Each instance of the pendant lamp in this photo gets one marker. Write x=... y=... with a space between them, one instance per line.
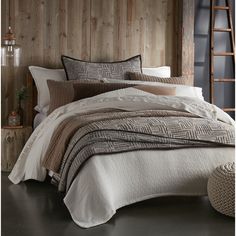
x=10 y=51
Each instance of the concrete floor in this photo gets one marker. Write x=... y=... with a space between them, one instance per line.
x=36 y=209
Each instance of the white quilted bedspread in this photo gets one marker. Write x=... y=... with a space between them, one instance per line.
x=109 y=182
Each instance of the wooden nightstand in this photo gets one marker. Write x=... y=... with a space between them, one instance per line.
x=12 y=143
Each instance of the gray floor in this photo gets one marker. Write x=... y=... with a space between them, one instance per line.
x=36 y=209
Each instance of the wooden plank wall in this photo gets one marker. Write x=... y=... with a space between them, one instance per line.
x=92 y=30
x=95 y=30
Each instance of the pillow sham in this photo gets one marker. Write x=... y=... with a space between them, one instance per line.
x=40 y=76
x=157 y=90
x=38 y=119
x=62 y=93
x=162 y=71
x=78 y=69
x=170 y=80
x=181 y=90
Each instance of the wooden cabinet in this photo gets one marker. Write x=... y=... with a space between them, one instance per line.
x=12 y=143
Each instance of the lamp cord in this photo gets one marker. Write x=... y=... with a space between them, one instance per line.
x=9 y=13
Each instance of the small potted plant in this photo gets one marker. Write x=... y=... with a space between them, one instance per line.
x=21 y=95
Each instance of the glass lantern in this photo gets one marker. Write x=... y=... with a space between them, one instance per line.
x=10 y=67
x=10 y=51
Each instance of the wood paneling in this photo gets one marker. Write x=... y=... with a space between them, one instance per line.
x=188 y=38
x=92 y=30
x=183 y=54
x=132 y=27
x=102 y=30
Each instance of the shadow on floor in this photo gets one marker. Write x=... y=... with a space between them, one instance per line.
x=37 y=209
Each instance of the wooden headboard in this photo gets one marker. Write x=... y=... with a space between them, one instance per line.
x=31 y=102
x=100 y=30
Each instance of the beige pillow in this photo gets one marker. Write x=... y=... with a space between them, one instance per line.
x=62 y=93
x=157 y=90
x=171 y=80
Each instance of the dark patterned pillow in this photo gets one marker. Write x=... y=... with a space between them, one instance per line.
x=77 y=69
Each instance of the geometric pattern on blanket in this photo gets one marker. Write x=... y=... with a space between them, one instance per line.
x=67 y=128
x=140 y=133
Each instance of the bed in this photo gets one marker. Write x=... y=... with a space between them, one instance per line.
x=124 y=145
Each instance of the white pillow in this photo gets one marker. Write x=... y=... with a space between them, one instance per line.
x=162 y=71
x=40 y=76
x=181 y=90
x=38 y=119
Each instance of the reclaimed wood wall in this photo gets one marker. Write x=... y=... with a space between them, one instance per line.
x=93 y=30
x=98 y=30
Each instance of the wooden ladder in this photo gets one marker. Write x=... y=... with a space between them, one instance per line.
x=213 y=53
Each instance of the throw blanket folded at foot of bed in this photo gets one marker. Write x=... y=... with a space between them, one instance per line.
x=109 y=132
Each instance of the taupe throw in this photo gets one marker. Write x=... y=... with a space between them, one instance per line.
x=113 y=131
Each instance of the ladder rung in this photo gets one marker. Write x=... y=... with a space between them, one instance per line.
x=223 y=54
x=228 y=109
x=222 y=30
x=224 y=80
x=221 y=8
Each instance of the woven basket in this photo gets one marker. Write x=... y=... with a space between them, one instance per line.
x=221 y=189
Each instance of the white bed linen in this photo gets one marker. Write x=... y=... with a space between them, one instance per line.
x=40 y=76
x=162 y=71
x=107 y=183
x=38 y=119
x=181 y=90
x=28 y=165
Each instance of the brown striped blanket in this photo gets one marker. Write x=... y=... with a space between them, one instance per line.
x=109 y=131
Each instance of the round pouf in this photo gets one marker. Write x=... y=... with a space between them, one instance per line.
x=221 y=189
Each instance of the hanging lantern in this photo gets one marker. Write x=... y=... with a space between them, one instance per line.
x=10 y=51
x=10 y=71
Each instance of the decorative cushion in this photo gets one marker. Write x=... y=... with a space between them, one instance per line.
x=78 y=69
x=62 y=93
x=40 y=76
x=221 y=189
x=181 y=90
x=170 y=80
x=157 y=90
